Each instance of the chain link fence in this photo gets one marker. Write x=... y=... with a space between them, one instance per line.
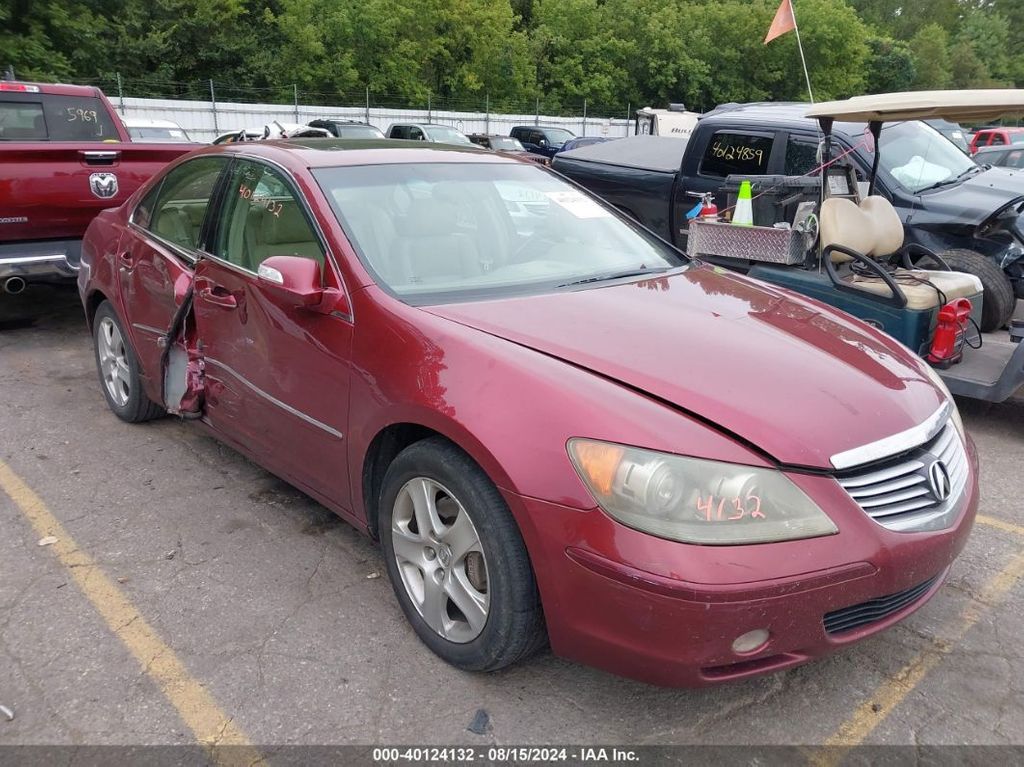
x=208 y=109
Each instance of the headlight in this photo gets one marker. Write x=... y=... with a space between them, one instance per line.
x=954 y=412
x=694 y=500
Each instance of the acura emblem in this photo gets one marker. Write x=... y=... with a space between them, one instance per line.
x=938 y=480
x=103 y=185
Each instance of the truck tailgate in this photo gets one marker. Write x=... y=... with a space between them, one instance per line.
x=52 y=190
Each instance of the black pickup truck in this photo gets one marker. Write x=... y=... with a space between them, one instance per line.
x=969 y=214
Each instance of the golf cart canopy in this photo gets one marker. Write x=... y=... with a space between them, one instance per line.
x=957 y=106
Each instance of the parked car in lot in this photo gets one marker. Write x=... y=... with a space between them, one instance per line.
x=507 y=146
x=582 y=141
x=953 y=132
x=440 y=134
x=157 y=131
x=64 y=157
x=340 y=128
x=1001 y=156
x=540 y=139
x=505 y=413
x=997 y=136
x=948 y=204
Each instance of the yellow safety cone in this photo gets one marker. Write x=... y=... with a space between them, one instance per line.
x=743 y=215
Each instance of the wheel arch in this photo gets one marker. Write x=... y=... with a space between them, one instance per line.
x=92 y=305
x=392 y=438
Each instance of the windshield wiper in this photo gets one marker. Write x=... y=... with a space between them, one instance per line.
x=613 y=276
x=948 y=181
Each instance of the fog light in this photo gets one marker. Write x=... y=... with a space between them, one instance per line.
x=752 y=640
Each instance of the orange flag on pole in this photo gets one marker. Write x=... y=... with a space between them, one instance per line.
x=783 y=22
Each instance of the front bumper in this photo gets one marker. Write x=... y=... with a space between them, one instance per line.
x=50 y=261
x=667 y=613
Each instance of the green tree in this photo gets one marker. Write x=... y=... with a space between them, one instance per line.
x=890 y=67
x=987 y=33
x=930 y=48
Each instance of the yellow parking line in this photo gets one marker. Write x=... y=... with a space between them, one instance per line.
x=887 y=696
x=212 y=727
x=1000 y=524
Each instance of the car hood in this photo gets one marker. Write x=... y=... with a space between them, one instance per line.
x=977 y=198
x=791 y=377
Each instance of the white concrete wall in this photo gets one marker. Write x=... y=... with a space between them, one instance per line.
x=198 y=118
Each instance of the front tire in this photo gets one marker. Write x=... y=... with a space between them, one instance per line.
x=456 y=559
x=118 y=368
x=998 y=302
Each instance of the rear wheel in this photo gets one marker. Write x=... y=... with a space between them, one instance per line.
x=998 y=301
x=119 y=369
x=456 y=559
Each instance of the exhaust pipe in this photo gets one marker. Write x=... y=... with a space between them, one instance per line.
x=14 y=285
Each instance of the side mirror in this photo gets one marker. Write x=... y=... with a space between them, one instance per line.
x=299 y=282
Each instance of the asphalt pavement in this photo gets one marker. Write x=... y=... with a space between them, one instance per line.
x=190 y=592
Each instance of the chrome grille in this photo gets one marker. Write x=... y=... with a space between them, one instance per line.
x=896 y=492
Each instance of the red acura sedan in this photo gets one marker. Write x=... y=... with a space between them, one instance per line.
x=560 y=430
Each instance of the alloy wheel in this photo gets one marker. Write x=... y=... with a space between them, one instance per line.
x=440 y=559
x=114 y=361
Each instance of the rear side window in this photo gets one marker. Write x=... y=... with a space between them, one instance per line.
x=1017 y=138
x=44 y=117
x=398 y=131
x=1015 y=159
x=801 y=157
x=180 y=208
x=996 y=139
x=736 y=153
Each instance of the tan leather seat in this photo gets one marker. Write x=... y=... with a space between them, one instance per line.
x=431 y=249
x=285 y=234
x=874 y=229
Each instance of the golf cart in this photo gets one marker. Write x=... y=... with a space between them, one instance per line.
x=829 y=236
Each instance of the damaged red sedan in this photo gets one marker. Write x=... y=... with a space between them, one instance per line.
x=560 y=430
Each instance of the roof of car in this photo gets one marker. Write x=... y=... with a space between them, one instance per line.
x=143 y=122
x=333 y=152
x=761 y=111
x=339 y=120
x=58 y=89
x=1007 y=128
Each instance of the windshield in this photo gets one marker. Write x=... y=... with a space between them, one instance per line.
x=439 y=233
x=506 y=143
x=157 y=134
x=446 y=135
x=917 y=156
x=357 y=131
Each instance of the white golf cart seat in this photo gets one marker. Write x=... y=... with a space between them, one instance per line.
x=874 y=229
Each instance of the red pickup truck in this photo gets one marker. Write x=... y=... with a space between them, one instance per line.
x=64 y=156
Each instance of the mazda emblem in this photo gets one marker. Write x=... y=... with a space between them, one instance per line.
x=938 y=480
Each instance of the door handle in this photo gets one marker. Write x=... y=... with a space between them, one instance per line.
x=125 y=259
x=100 y=158
x=218 y=296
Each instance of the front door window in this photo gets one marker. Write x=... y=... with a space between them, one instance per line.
x=262 y=217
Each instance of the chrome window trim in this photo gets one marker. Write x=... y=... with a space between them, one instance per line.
x=895 y=444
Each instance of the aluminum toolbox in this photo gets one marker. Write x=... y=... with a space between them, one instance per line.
x=749 y=243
